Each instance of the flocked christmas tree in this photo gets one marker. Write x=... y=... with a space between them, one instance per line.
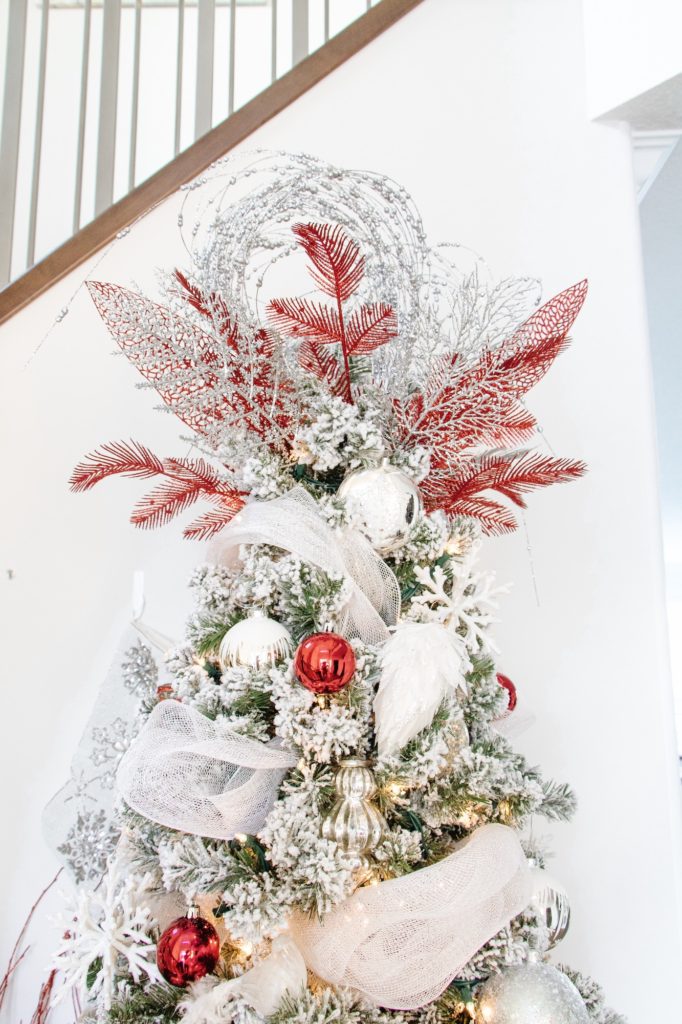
x=322 y=817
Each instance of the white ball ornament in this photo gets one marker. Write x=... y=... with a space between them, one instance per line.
x=255 y=642
x=383 y=503
x=533 y=993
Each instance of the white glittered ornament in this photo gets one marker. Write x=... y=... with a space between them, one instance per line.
x=383 y=503
x=255 y=642
x=533 y=993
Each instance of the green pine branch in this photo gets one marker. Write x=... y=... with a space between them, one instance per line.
x=155 y=1005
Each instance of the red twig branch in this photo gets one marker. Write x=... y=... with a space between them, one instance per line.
x=16 y=957
x=42 y=1010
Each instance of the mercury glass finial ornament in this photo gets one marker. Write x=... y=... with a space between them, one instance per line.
x=551 y=900
x=255 y=642
x=533 y=993
x=354 y=822
x=384 y=503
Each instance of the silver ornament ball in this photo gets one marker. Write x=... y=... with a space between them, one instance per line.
x=383 y=503
x=255 y=642
x=533 y=993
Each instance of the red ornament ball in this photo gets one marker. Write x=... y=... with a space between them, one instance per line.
x=188 y=949
x=324 y=662
x=507 y=684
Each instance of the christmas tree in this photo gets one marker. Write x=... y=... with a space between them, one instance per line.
x=322 y=816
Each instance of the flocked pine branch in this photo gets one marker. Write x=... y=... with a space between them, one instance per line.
x=157 y=1004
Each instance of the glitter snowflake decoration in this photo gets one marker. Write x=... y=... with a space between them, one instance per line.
x=109 y=744
x=139 y=670
x=89 y=843
x=108 y=934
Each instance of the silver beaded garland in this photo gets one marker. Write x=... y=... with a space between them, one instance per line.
x=533 y=993
x=383 y=503
x=255 y=642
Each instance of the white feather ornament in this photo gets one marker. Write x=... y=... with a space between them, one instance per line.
x=421 y=664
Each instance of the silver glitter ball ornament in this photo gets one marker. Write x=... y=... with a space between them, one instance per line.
x=354 y=822
x=533 y=993
x=255 y=642
x=383 y=503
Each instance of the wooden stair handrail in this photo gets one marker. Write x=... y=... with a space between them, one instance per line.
x=201 y=154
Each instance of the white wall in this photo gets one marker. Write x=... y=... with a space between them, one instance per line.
x=630 y=47
x=481 y=115
x=661 y=219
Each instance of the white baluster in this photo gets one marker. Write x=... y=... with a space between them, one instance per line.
x=273 y=40
x=108 y=102
x=82 y=111
x=38 y=136
x=233 y=40
x=179 y=60
x=136 y=94
x=11 y=127
x=299 y=30
x=203 y=108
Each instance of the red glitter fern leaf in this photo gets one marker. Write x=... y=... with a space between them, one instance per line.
x=303 y=318
x=185 y=481
x=459 y=410
x=116 y=458
x=337 y=265
x=527 y=356
x=178 y=358
x=211 y=306
x=369 y=327
x=494 y=517
x=337 y=269
x=209 y=380
x=315 y=359
x=510 y=474
x=210 y=523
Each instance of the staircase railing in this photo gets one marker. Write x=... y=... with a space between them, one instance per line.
x=110 y=105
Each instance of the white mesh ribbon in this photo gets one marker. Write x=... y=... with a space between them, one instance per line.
x=192 y=774
x=401 y=942
x=263 y=987
x=293 y=523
